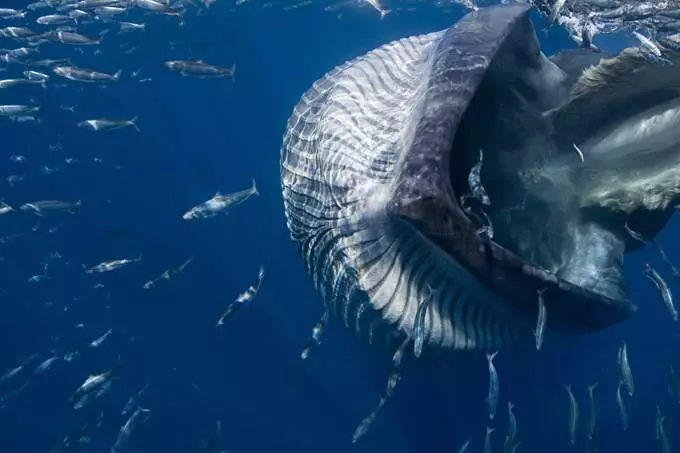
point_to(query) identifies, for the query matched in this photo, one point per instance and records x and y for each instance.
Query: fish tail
(254, 188)
(491, 356)
(384, 12)
(133, 123)
(117, 75)
(232, 73)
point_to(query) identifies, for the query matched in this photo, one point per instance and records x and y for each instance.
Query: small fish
(35, 75)
(555, 11)
(579, 152)
(200, 69)
(99, 340)
(94, 382)
(463, 448)
(419, 328)
(246, 296)
(634, 234)
(46, 207)
(140, 416)
(540, 320)
(378, 7)
(133, 401)
(168, 274)
(512, 429)
(220, 204)
(625, 373)
(157, 7)
(108, 266)
(209, 446)
(46, 364)
(53, 19)
(475, 181)
(86, 75)
(14, 110)
(573, 415)
(658, 422)
(663, 288)
(126, 27)
(9, 83)
(647, 44)
(492, 398)
(104, 124)
(5, 208)
(593, 411)
(9, 374)
(663, 437)
(487, 439)
(66, 37)
(622, 408)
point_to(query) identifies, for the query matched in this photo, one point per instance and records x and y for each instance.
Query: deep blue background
(201, 136)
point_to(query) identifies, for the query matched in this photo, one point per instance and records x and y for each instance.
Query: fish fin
(254, 188)
(117, 75)
(384, 12)
(232, 73)
(133, 123)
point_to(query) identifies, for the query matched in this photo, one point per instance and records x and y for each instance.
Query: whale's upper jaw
(558, 229)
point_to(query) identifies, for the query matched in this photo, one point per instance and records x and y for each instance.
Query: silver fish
(220, 204)
(140, 416)
(9, 83)
(419, 328)
(512, 429)
(625, 373)
(157, 7)
(463, 448)
(475, 181)
(104, 124)
(46, 364)
(86, 75)
(108, 266)
(35, 75)
(13, 110)
(67, 37)
(133, 401)
(101, 339)
(200, 69)
(46, 207)
(593, 411)
(52, 19)
(540, 320)
(663, 288)
(573, 415)
(622, 408)
(246, 296)
(663, 437)
(492, 398)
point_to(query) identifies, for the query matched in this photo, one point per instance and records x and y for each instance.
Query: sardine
(220, 204)
(9, 83)
(540, 320)
(475, 181)
(86, 75)
(101, 339)
(492, 398)
(13, 110)
(573, 415)
(512, 430)
(625, 373)
(139, 417)
(419, 327)
(663, 288)
(47, 207)
(66, 37)
(246, 296)
(108, 266)
(593, 411)
(133, 401)
(104, 124)
(200, 69)
(622, 408)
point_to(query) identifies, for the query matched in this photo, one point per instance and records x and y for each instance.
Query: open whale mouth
(563, 182)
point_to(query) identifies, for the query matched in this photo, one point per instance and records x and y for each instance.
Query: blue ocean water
(200, 136)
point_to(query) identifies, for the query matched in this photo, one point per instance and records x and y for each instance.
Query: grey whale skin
(377, 153)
